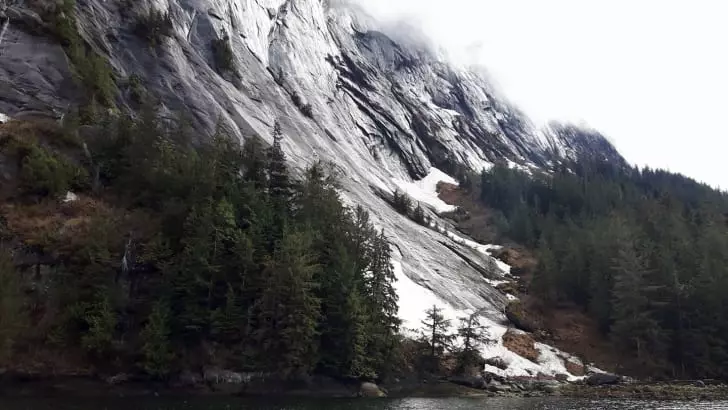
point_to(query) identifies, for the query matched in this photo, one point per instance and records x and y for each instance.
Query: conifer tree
(381, 298)
(157, 351)
(473, 336)
(436, 337)
(287, 312)
(418, 215)
(279, 181)
(634, 327)
(255, 162)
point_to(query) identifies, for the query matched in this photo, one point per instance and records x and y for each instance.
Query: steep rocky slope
(386, 113)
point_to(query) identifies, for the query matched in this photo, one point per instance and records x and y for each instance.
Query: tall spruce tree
(287, 312)
(473, 335)
(436, 337)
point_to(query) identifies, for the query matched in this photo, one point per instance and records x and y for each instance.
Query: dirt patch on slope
(577, 369)
(568, 328)
(472, 217)
(521, 344)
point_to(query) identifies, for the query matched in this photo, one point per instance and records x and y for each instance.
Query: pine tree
(228, 322)
(418, 215)
(287, 312)
(279, 186)
(381, 299)
(634, 327)
(155, 335)
(436, 337)
(101, 320)
(255, 162)
(402, 202)
(474, 336)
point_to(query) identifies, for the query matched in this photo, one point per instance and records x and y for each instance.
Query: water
(350, 404)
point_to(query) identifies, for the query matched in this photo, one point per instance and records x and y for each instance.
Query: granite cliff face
(387, 113)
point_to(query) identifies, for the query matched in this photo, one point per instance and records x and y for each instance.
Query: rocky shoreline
(259, 385)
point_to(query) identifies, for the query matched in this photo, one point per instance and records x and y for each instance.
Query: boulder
(117, 379)
(562, 377)
(577, 369)
(489, 377)
(516, 313)
(699, 383)
(497, 362)
(498, 387)
(601, 379)
(475, 382)
(368, 389)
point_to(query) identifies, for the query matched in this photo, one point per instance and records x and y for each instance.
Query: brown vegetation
(471, 218)
(521, 344)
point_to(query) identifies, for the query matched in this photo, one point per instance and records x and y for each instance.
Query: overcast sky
(652, 75)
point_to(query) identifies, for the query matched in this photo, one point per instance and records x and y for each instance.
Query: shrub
(307, 110)
(402, 202)
(157, 350)
(154, 27)
(44, 173)
(93, 71)
(136, 89)
(101, 320)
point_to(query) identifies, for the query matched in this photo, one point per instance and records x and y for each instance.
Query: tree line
(191, 255)
(642, 251)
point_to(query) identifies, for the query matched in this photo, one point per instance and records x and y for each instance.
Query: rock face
(381, 110)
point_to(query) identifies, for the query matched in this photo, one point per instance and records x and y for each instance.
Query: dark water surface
(348, 404)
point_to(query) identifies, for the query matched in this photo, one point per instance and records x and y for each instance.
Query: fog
(650, 74)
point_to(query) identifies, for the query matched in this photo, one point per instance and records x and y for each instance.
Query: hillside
(136, 137)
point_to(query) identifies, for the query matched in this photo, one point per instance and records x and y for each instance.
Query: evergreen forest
(174, 256)
(644, 252)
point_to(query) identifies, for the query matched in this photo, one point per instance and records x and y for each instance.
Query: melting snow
(425, 190)
(504, 267)
(415, 298)
(70, 197)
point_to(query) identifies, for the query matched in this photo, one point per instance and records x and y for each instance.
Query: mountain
(389, 113)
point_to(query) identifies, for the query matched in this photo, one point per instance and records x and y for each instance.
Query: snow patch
(502, 266)
(4, 118)
(425, 190)
(415, 299)
(70, 197)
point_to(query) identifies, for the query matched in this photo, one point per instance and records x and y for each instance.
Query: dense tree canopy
(212, 255)
(644, 251)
